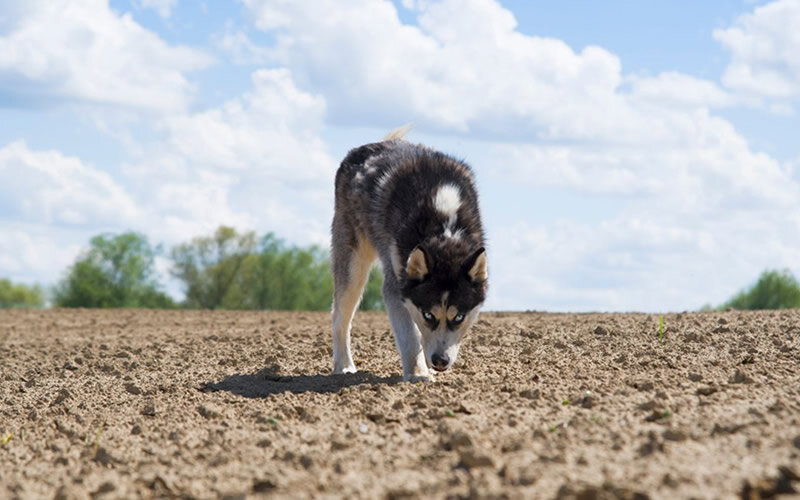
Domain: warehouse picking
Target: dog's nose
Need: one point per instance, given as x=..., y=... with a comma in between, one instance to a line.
x=440, y=362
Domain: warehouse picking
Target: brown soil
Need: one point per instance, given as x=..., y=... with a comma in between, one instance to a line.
x=130, y=403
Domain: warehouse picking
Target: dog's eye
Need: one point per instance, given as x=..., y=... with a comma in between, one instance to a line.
x=427, y=315
x=459, y=318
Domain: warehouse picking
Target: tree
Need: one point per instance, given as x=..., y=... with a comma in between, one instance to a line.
x=773, y=290
x=19, y=295
x=116, y=271
x=263, y=275
x=209, y=266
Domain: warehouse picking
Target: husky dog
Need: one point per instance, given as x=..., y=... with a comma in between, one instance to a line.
x=416, y=210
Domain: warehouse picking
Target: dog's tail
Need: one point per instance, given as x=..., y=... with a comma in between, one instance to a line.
x=398, y=133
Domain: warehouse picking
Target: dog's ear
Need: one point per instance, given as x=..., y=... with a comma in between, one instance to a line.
x=417, y=265
x=475, y=266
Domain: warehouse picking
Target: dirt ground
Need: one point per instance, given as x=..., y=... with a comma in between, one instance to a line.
x=138, y=403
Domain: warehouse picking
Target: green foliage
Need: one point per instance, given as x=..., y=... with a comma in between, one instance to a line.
x=232, y=271
x=19, y=295
x=116, y=271
x=209, y=267
x=773, y=290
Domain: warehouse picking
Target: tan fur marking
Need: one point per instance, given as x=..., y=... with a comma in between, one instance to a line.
x=416, y=268
x=478, y=272
x=437, y=312
x=451, y=313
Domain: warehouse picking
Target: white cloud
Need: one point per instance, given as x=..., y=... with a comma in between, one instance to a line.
x=765, y=51
x=256, y=162
x=52, y=188
x=82, y=50
x=163, y=7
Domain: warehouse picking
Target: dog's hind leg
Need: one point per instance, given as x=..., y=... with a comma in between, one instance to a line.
x=351, y=259
x=406, y=334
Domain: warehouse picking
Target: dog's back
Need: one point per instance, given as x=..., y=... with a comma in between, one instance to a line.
x=398, y=194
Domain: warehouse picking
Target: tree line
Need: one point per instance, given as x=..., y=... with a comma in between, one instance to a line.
x=226, y=270
x=232, y=270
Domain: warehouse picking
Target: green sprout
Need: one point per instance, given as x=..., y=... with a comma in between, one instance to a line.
x=5, y=439
x=272, y=421
x=450, y=413
x=552, y=428
x=96, y=446
x=661, y=328
x=565, y=402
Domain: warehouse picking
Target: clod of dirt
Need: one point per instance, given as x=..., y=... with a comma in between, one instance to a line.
x=470, y=458
x=706, y=390
x=136, y=430
x=740, y=377
x=674, y=435
x=456, y=441
x=133, y=389
x=600, y=330
x=209, y=411
x=695, y=377
x=149, y=409
x=106, y=487
x=532, y=394
x=605, y=492
x=62, y=396
x=796, y=441
x=783, y=484
x=103, y=457
x=264, y=485
x=71, y=492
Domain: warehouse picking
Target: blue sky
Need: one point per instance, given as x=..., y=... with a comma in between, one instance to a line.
x=630, y=155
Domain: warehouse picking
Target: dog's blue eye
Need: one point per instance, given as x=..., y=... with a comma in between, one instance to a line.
x=459, y=318
x=427, y=315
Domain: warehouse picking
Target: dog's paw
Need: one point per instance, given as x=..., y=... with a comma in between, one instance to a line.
x=346, y=369
x=413, y=379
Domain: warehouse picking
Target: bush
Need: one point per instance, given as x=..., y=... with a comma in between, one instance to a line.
x=116, y=271
x=773, y=290
x=18, y=295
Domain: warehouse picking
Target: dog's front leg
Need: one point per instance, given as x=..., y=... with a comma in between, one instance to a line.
x=406, y=336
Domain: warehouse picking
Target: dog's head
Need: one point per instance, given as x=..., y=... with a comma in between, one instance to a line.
x=443, y=291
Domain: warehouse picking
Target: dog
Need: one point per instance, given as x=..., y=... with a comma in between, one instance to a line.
x=415, y=209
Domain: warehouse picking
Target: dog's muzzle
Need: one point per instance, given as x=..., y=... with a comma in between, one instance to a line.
x=440, y=362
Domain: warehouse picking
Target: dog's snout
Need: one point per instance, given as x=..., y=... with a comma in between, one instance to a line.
x=440, y=362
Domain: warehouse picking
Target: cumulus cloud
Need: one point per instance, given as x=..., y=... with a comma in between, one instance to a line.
x=765, y=51
x=81, y=50
x=51, y=188
x=256, y=161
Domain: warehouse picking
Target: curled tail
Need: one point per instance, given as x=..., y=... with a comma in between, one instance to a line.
x=398, y=133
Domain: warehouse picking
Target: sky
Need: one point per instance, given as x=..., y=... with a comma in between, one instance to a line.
x=629, y=156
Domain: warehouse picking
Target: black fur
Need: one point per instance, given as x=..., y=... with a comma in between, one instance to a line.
x=401, y=209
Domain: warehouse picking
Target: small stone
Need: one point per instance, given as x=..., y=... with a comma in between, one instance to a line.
x=796, y=441
x=363, y=428
x=457, y=440
x=62, y=396
x=209, y=411
x=648, y=405
x=706, y=390
x=149, y=409
x=136, y=430
x=532, y=394
x=306, y=461
x=740, y=377
x=133, y=389
x=674, y=435
x=470, y=458
x=600, y=330
x=695, y=377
